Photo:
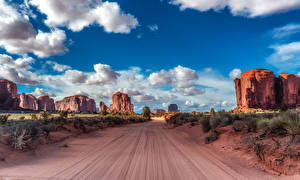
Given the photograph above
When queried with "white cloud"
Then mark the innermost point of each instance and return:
(18, 36)
(286, 31)
(144, 98)
(41, 92)
(208, 70)
(75, 76)
(78, 14)
(190, 91)
(179, 76)
(285, 56)
(250, 8)
(103, 75)
(153, 27)
(235, 73)
(58, 67)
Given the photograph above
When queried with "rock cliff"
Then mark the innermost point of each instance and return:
(173, 108)
(102, 107)
(77, 103)
(45, 103)
(260, 89)
(121, 104)
(28, 101)
(8, 95)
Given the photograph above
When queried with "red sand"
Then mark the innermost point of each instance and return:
(136, 151)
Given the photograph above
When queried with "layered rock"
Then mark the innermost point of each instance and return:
(260, 89)
(121, 104)
(77, 103)
(173, 108)
(290, 90)
(45, 103)
(28, 101)
(8, 95)
(102, 107)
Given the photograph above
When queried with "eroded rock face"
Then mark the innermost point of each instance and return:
(290, 89)
(28, 101)
(260, 89)
(102, 107)
(77, 103)
(8, 95)
(45, 103)
(121, 104)
(173, 108)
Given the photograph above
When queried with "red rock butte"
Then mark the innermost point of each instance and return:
(121, 104)
(77, 103)
(261, 89)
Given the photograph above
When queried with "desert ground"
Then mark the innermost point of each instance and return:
(136, 151)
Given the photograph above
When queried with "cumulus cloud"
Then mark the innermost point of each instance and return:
(144, 98)
(58, 67)
(190, 91)
(285, 56)
(286, 31)
(18, 36)
(41, 92)
(75, 76)
(78, 14)
(153, 27)
(249, 8)
(179, 76)
(103, 74)
(235, 73)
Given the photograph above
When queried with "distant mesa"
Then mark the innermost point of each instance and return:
(8, 95)
(156, 111)
(102, 107)
(121, 103)
(260, 89)
(173, 108)
(28, 101)
(45, 103)
(77, 104)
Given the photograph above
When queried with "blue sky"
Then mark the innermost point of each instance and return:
(159, 52)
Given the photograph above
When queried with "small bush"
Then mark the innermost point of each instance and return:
(251, 125)
(103, 112)
(45, 114)
(146, 112)
(4, 118)
(213, 135)
(63, 114)
(238, 126)
(212, 111)
(205, 125)
(22, 118)
(33, 116)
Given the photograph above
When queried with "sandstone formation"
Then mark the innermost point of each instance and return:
(156, 111)
(28, 101)
(260, 89)
(102, 107)
(173, 108)
(8, 95)
(77, 103)
(121, 104)
(45, 103)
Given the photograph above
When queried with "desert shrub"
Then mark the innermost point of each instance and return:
(292, 120)
(33, 117)
(283, 108)
(146, 112)
(214, 121)
(263, 123)
(79, 124)
(213, 135)
(277, 127)
(22, 118)
(63, 114)
(45, 114)
(4, 118)
(251, 125)
(212, 111)
(205, 125)
(103, 112)
(238, 125)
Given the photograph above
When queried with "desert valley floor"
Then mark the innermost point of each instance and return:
(136, 151)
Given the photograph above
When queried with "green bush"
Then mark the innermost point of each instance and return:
(103, 112)
(238, 125)
(212, 111)
(205, 125)
(213, 135)
(63, 114)
(146, 112)
(45, 114)
(22, 118)
(33, 117)
(4, 118)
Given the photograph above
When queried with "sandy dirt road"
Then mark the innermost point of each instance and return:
(143, 151)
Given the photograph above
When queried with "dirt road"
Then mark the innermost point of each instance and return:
(136, 152)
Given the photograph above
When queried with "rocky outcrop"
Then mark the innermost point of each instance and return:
(77, 103)
(8, 95)
(173, 108)
(28, 101)
(260, 89)
(156, 111)
(45, 103)
(290, 91)
(102, 107)
(121, 104)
